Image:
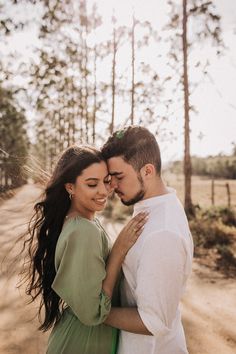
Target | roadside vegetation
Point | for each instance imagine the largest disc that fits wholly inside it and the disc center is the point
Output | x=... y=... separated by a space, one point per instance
x=214 y=234
x=213 y=227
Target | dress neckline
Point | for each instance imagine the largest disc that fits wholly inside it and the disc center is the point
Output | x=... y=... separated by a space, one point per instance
x=67 y=219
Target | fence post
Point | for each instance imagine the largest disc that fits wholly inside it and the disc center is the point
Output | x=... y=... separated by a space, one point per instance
x=212 y=191
x=228 y=194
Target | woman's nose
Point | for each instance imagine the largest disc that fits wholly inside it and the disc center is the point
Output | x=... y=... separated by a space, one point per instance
x=104 y=190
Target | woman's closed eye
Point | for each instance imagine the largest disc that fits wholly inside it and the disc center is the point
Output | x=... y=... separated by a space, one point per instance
x=107 y=182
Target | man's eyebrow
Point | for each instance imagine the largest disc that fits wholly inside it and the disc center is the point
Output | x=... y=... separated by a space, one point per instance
x=115 y=173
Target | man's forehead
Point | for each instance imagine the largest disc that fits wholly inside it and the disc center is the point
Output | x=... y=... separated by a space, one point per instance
x=116 y=165
x=116 y=160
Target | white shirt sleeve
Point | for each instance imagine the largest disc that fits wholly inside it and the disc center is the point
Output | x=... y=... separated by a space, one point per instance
x=160 y=280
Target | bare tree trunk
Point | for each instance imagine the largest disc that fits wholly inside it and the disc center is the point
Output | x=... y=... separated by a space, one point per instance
x=187 y=158
x=82 y=111
x=213 y=191
x=75 y=115
x=80 y=92
x=84 y=71
x=6 y=185
x=94 y=95
x=113 y=87
x=228 y=194
x=81 y=114
x=86 y=78
x=72 y=104
x=132 y=64
x=1 y=177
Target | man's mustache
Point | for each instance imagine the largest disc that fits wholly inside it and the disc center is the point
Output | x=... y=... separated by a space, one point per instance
x=117 y=191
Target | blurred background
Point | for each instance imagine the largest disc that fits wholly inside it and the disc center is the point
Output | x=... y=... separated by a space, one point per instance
x=73 y=71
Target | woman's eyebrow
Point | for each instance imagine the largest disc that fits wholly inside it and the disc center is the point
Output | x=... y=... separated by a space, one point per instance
x=92 y=179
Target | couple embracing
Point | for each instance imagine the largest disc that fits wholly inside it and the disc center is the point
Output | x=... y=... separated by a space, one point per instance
x=100 y=298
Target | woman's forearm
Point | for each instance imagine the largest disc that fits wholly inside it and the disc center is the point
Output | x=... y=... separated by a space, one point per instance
x=125 y=240
x=112 y=271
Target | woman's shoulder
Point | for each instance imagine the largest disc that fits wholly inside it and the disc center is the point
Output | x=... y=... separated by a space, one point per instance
x=78 y=234
x=80 y=229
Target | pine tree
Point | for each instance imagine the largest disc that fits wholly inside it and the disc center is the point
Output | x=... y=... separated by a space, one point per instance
x=14 y=141
x=181 y=43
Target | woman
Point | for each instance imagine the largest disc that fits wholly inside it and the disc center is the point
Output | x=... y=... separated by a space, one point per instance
x=69 y=251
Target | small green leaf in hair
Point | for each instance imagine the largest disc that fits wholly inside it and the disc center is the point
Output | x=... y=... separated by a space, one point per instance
x=120 y=134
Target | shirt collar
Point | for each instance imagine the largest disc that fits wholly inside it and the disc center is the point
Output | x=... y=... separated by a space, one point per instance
x=153 y=201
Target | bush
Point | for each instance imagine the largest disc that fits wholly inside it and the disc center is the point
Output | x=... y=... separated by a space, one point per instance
x=213 y=226
x=225 y=215
x=228 y=216
x=227 y=260
x=208 y=234
x=214 y=236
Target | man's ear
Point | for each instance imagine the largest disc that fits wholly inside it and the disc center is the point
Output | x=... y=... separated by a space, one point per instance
x=148 y=171
x=69 y=188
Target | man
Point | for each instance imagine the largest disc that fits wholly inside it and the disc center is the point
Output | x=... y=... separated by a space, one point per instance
x=157 y=266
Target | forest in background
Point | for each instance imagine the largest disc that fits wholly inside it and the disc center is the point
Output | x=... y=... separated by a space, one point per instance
x=78 y=79
x=219 y=166
x=80 y=76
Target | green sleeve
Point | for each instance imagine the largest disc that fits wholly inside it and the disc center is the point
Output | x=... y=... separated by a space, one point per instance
x=80 y=273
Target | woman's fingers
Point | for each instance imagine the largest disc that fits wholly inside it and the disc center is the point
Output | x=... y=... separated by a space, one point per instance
x=138 y=221
x=131 y=232
x=138 y=218
x=138 y=232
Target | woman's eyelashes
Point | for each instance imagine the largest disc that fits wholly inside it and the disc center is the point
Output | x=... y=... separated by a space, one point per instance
x=95 y=185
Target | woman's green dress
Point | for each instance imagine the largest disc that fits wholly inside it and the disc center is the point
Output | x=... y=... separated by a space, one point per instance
x=81 y=253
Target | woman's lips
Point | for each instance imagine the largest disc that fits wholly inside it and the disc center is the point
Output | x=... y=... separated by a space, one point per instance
x=100 y=201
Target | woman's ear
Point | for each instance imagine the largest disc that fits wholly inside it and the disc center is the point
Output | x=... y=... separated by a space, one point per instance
x=69 y=188
x=148 y=171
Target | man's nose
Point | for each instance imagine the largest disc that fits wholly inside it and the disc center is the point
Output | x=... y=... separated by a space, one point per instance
x=113 y=182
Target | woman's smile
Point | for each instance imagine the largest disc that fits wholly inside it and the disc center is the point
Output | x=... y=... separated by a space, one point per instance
x=100 y=201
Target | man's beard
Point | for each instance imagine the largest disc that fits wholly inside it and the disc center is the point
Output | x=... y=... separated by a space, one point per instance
x=139 y=196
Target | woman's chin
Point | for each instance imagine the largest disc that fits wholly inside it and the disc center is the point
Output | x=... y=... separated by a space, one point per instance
x=100 y=206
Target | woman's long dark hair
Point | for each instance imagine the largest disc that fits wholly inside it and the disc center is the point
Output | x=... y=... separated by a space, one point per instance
x=45 y=227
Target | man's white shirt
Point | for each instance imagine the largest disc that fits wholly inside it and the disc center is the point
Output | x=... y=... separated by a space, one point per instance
x=155 y=273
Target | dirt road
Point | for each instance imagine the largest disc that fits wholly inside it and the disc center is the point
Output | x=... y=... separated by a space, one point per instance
x=209 y=305
x=18 y=329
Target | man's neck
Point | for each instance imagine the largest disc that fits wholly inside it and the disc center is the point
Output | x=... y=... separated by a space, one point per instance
x=156 y=189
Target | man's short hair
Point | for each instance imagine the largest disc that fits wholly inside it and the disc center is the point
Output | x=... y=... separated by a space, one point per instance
x=136 y=145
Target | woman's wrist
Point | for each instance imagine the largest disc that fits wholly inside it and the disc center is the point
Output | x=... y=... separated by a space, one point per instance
x=118 y=252
x=114 y=263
